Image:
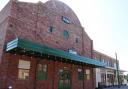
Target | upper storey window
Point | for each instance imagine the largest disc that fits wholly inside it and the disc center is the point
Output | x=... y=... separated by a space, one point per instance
x=66 y=20
x=51 y=29
x=77 y=39
x=65 y=34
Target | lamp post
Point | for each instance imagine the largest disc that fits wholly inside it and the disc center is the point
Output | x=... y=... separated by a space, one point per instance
x=117 y=71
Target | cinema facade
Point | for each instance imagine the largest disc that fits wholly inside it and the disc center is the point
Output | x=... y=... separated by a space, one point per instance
x=44 y=46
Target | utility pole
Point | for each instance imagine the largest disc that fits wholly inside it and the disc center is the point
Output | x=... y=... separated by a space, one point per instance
x=117 y=71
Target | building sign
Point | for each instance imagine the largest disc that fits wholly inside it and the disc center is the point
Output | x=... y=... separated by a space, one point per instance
x=72 y=51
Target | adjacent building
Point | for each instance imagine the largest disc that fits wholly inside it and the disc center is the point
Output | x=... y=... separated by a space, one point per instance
x=44 y=46
x=111 y=74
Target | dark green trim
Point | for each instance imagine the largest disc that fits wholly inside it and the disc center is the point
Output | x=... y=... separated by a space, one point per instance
x=30 y=46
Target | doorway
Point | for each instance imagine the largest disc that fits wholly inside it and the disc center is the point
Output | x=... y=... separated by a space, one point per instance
x=64 y=79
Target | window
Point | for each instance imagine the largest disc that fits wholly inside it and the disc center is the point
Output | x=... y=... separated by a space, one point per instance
x=66 y=34
x=41 y=72
x=66 y=20
x=107 y=63
x=87 y=74
x=23 y=74
x=80 y=74
x=64 y=74
x=115 y=65
x=103 y=77
x=51 y=29
x=23 y=71
x=64 y=79
x=76 y=40
x=112 y=64
x=100 y=60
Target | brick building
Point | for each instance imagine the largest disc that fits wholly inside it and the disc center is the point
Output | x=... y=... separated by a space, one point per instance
x=44 y=46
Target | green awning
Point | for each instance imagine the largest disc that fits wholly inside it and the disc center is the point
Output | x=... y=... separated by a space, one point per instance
x=30 y=46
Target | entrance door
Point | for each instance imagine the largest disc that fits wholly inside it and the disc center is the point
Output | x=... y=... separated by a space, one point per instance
x=64 y=79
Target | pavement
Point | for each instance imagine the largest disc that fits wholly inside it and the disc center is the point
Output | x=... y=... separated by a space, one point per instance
x=121 y=87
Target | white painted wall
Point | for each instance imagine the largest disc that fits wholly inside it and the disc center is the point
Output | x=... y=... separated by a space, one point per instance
x=98 y=76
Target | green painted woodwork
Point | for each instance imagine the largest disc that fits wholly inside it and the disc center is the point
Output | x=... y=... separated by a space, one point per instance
x=64 y=80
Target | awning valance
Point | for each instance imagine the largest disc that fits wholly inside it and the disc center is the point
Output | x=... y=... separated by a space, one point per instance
x=31 y=46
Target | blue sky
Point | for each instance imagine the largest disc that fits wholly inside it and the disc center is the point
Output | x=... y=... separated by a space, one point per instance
x=105 y=21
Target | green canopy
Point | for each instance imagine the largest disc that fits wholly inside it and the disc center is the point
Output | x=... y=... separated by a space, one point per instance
x=31 y=46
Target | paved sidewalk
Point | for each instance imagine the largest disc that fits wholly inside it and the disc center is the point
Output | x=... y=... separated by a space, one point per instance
x=122 y=87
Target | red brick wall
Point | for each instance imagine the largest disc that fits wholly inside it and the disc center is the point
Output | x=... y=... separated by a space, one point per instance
x=10 y=72
x=12 y=61
x=3 y=28
x=31 y=21
x=87 y=45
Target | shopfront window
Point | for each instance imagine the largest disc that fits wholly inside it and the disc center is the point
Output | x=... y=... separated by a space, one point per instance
x=23 y=74
x=41 y=72
x=23 y=69
x=80 y=74
x=87 y=74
